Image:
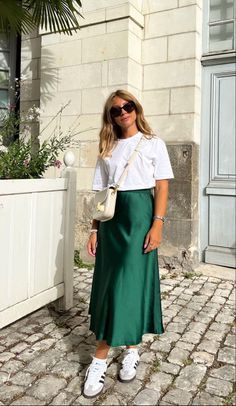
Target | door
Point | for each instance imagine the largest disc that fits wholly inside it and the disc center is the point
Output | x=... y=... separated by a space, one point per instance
x=218 y=203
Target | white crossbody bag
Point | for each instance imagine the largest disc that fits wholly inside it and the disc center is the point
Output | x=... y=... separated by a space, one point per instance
x=105 y=200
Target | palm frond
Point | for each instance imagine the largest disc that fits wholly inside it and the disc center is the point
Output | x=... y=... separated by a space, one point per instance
x=14 y=17
x=53 y=15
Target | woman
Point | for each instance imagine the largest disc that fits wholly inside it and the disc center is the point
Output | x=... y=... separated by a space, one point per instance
x=125 y=298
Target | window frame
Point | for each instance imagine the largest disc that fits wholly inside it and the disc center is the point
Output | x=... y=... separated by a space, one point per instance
x=206 y=31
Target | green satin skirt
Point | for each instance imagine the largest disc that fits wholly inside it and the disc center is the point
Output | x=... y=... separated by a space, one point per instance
x=125 y=299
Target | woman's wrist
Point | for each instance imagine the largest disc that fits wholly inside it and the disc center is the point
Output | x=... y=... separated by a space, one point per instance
x=93 y=230
x=158 y=218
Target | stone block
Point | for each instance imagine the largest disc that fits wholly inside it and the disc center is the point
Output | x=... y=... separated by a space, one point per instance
x=183 y=3
x=91 y=31
x=180 y=200
x=151 y=6
x=47 y=387
x=51 y=103
x=134 y=47
x=204 y=398
x=147 y=397
x=117 y=25
x=30 y=68
x=118 y=71
x=178 y=356
x=185 y=100
x=218 y=387
x=88 y=154
x=174 y=127
x=182 y=157
x=190 y=377
x=159 y=381
x=136 y=29
x=154 y=50
x=170 y=22
x=170 y=74
x=177 y=397
x=135 y=74
x=93 y=15
x=80 y=76
x=178 y=233
x=202 y=357
x=31 y=48
x=125 y=10
x=85 y=178
x=48 y=82
x=93 y=100
x=30 y=90
x=226 y=355
x=227 y=372
x=105 y=47
x=51 y=39
x=59 y=55
x=156 y=101
x=182 y=46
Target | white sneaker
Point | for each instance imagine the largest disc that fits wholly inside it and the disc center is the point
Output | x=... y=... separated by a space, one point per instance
x=94 y=378
x=129 y=365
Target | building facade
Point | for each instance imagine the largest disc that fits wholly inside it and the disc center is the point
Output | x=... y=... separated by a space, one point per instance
x=178 y=58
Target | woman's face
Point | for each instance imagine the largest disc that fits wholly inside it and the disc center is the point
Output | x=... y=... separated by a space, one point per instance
x=125 y=120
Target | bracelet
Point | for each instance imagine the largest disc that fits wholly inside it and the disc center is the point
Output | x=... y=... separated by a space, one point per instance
x=162 y=218
x=94 y=230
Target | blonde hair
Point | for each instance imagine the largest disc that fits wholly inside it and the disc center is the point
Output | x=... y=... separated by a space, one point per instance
x=110 y=131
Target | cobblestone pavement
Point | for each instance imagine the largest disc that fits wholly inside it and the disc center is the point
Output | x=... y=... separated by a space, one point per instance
x=43 y=357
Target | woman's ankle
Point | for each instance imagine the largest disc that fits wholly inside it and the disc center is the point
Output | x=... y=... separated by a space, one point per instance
x=102 y=350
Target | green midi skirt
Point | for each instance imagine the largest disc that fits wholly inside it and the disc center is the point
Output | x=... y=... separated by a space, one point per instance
x=125 y=299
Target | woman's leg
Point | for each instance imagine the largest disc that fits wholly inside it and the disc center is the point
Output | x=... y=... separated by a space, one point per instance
x=96 y=372
x=102 y=350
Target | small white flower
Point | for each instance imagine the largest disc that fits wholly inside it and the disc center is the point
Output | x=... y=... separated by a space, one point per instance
x=23 y=77
x=3 y=148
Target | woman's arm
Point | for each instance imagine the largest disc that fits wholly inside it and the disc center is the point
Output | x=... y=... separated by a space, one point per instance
x=154 y=236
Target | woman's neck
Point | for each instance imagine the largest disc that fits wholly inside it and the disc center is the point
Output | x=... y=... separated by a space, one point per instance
x=129 y=132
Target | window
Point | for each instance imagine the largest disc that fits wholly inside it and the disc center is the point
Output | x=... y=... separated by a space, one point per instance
x=220 y=17
x=7 y=70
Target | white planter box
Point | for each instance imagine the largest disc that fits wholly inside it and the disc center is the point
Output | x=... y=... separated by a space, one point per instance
x=36 y=244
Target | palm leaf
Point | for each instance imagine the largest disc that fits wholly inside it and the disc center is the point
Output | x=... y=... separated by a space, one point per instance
x=53 y=15
x=14 y=17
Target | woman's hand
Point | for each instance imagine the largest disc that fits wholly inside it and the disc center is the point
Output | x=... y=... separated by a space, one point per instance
x=153 y=237
x=92 y=244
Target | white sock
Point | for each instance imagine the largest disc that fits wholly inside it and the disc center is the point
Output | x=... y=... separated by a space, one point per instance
x=100 y=361
x=135 y=349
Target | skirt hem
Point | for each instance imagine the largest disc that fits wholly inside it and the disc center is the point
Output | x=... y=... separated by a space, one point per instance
x=112 y=344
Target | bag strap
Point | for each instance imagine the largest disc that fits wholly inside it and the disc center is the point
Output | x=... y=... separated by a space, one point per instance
x=129 y=162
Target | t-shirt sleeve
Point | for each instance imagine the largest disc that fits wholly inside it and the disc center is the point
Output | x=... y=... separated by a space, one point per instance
x=100 y=179
x=161 y=161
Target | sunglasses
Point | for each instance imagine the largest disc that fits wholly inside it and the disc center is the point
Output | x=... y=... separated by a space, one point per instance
x=128 y=107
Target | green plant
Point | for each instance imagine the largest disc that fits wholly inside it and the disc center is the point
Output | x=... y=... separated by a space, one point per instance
x=26 y=157
x=187 y=361
x=189 y=275
x=79 y=263
x=155 y=367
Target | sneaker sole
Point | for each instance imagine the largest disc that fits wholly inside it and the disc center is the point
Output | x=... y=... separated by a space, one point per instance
x=93 y=396
x=126 y=380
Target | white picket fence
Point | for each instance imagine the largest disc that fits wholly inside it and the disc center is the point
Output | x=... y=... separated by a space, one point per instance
x=37 y=219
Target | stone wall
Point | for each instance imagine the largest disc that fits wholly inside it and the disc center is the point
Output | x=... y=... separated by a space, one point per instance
x=152 y=48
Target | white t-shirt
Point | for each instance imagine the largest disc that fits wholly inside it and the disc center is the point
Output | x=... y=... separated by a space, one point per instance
x=151 y=163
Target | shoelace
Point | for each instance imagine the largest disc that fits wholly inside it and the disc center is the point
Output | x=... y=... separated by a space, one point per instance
x=94 y=372
x=128 y=361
